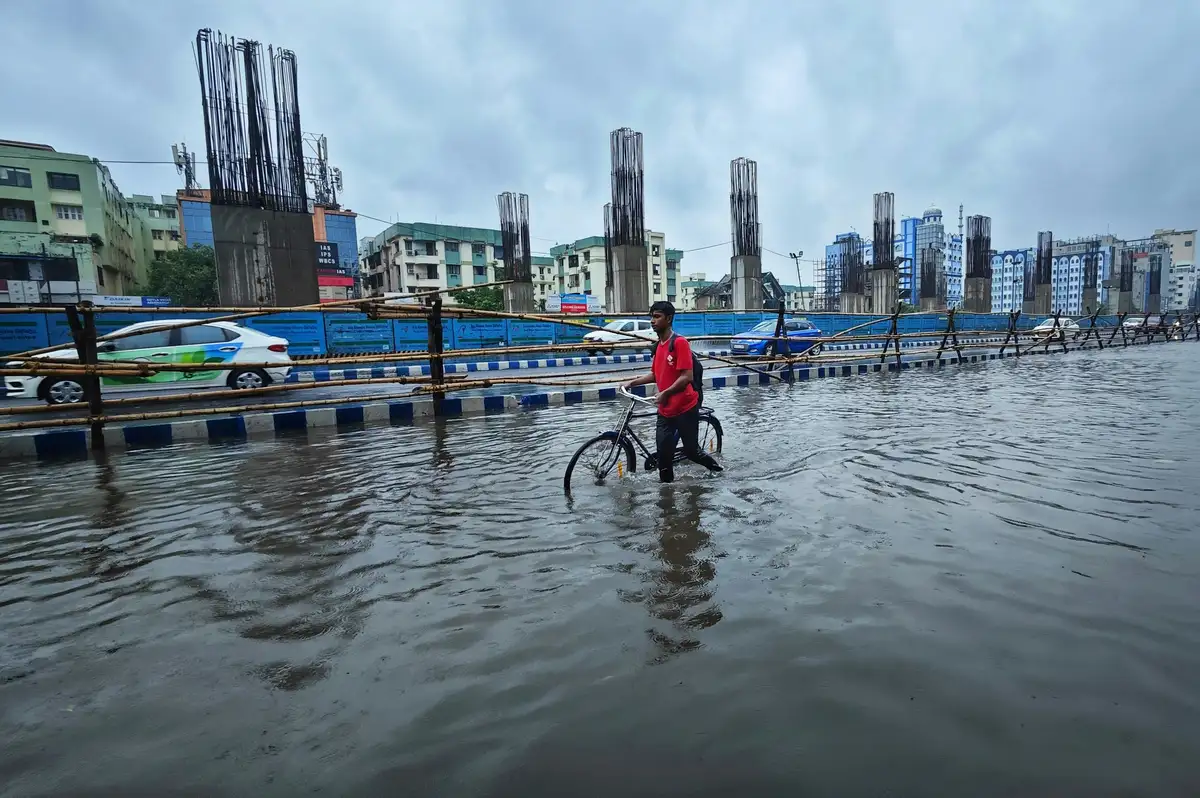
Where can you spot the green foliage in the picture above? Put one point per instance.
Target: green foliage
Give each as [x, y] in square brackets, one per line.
[906, 307]
[188, 276]
[480, 298]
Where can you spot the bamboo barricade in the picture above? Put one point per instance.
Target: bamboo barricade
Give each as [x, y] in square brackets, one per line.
[82, 320]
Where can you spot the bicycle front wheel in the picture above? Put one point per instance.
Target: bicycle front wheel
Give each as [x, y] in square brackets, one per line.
[603, 456]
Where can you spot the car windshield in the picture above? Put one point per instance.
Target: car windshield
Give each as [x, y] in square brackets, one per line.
[615, 325]
[766, 326]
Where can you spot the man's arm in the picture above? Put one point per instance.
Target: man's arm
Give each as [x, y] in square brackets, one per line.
[645, 379]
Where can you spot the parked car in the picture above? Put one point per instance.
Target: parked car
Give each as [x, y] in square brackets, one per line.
[618, 332]
[218, 342]
[1065, 326]
[755, 340]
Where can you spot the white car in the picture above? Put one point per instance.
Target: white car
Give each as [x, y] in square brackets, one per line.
[619, 332]
[217, 342]
[1065, 326]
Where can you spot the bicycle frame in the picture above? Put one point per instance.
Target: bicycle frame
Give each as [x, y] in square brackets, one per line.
[624, 430]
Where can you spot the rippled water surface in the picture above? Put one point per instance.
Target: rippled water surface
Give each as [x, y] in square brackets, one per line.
[981, 581]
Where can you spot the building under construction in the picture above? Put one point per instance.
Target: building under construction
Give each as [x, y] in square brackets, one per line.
[261, 224]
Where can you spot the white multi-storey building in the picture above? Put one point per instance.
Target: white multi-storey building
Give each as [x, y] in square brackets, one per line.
[579, 268]
[1008, 278]
[415, 257]
[1179, 290]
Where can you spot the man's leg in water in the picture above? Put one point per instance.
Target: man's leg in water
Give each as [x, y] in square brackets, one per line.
[689, 435]
[664, 438]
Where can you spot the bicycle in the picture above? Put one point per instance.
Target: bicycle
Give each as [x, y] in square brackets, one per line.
[614, 449]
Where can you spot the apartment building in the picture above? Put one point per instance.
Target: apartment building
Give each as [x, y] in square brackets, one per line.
[66, 231]
[1179, 291]
[411, 257]
[580, 268]
[689, 287]
[160, 217]
[799, 298]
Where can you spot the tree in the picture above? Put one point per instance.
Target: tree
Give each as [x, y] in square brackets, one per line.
[188, 276]
[480, 298]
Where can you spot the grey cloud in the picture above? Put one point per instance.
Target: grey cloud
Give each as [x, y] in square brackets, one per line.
[1066, 115]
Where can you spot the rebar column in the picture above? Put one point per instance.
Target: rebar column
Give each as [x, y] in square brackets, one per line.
[977, 287]
[514, 237]
[745, 266]
[630, 273]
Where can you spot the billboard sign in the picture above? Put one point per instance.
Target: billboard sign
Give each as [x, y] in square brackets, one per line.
[572, 303]
[111, 301]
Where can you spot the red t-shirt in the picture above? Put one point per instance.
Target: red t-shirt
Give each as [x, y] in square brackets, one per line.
[667, 365]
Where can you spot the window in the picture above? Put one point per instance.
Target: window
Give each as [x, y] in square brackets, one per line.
[479, 250]
[481, 271]
[63, 270]
[17, 211]
[587, 256]
[174, 235]
[169, 213]
[658, 288]
[573, 261]
[204, 334]
[654, 250]
[148, 340]
[657, 271]
[69, 212]
[99, 275]
[628, 326]
[158, 234]
[16, 177]
[62, 181]
[155, 213]
[453, 271]
[1187, 243]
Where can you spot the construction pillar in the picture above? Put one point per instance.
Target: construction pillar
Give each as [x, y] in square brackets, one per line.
[745, 274]
[631, 279]
[883, 290]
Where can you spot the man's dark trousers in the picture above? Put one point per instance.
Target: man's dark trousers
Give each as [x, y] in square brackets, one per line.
[688, 426]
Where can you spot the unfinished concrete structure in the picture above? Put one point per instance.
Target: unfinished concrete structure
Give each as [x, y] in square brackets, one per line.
[630, 289]
[977, 287]
[1125, 282]
[1091, 278]
[262, 230]
[518, 257]
[1029, 285]
[884, 279]
[1043, 292]
[745, 266]
[852, 275]
[932, 288]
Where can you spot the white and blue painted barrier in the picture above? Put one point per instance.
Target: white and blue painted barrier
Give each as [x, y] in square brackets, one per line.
[76, 442]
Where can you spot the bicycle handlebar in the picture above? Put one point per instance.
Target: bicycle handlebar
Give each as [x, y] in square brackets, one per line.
[630, 395]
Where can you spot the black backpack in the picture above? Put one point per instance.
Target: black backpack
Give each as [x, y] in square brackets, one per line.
[697, 366]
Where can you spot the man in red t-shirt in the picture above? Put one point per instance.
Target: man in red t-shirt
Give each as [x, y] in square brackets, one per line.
[678, 402]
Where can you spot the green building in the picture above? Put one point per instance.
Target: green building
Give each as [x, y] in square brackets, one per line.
[66, 231]
[160, 217]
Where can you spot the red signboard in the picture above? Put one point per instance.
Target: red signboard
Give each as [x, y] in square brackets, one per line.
[323, 279]
[574, 307]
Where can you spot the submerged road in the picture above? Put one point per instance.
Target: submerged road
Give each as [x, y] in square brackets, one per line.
[976, 581]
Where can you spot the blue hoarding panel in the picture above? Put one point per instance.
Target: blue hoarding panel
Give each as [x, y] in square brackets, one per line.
[570, 334]
[530, 333]
[412, 335]
[480, 334]
[305, 331]
[720, 324]
[690, 325]
[354, 333]
[21, 332]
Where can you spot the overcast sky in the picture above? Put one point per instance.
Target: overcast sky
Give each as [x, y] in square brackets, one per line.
[1077, 117]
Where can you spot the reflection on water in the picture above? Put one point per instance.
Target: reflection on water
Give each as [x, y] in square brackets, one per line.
[958, 579]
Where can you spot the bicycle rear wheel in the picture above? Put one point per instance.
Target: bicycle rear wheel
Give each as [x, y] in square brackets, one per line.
[598, 459]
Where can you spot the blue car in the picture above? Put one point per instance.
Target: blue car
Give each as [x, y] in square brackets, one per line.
[754, 341]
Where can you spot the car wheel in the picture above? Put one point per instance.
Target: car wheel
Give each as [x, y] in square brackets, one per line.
[62, 392]
[591, 352]
[248, 379]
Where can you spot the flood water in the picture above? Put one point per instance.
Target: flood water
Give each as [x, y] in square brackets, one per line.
[980, 582]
